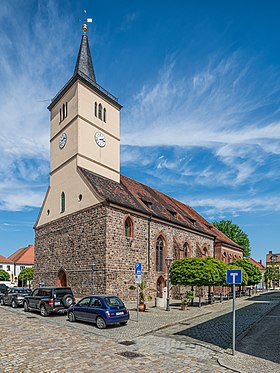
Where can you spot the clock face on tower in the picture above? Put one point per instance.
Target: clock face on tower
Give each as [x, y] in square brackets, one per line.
[62, 140]
[100, 139]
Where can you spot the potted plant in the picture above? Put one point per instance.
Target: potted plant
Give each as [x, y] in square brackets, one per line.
[144, 295]
[186, 299]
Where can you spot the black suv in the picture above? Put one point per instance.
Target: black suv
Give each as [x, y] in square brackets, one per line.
[47, 300]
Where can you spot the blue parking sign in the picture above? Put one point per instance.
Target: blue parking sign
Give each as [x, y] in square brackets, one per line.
[138, 269]
[234, 276]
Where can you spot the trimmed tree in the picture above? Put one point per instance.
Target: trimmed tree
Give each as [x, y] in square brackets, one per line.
[235, 233]
[28, 273]
[4, 276]
[253, 272]
[195, 272]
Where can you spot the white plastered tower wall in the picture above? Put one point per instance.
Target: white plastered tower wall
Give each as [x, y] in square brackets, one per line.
[81, 149]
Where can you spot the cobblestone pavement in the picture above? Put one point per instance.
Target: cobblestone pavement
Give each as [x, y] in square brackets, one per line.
[30, 343]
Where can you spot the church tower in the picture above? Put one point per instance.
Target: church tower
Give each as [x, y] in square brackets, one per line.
[85, 133]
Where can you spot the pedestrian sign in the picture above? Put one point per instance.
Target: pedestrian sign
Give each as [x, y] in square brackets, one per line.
[234, 276]
[138, 269]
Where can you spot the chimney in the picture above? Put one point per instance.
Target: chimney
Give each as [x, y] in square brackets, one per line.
[261, 262]
[270, 252]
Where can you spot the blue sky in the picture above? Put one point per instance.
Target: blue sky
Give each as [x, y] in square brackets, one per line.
[200, 86]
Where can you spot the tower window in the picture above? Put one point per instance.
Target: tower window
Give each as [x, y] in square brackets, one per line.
[100, 111]
[80, 197]
[104, 115]
[95, 109]
[60, 115]
[62, 202]
[159, 254]
[63, 111]
[128, 228]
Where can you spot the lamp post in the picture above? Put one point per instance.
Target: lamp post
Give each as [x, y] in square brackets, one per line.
[168, 262]
[92, 279]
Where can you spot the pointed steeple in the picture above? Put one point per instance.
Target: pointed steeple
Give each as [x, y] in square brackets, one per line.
[84, 64]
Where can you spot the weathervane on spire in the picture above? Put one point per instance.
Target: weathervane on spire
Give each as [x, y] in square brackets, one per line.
[86, 20]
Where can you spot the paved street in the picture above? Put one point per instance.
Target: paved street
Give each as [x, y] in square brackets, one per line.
[175, 341]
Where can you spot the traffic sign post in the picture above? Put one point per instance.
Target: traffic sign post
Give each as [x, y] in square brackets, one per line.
[234, 276]
[138, 274]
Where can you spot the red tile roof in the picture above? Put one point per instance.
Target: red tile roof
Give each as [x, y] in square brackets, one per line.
[137, 196]
[24, 255]
[257, 264]
[4, 260]
[269, 255]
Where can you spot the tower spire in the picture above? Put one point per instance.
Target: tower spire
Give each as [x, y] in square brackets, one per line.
[84, 65]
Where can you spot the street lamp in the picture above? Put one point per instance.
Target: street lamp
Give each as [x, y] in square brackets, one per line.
[168, 262]
[92, 282]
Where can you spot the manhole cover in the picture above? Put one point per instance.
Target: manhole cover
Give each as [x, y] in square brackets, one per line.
[127, 343]
[130, 354]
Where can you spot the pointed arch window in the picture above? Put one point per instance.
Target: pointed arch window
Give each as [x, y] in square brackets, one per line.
[66, 109]
[62, 202]
[184, 251]
[128, 228]
[100, 111]
[95, 109]
[60, 115]
[159, 254]
[63, 111]
[104, 115]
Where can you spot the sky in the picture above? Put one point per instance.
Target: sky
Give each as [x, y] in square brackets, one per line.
[199, 82]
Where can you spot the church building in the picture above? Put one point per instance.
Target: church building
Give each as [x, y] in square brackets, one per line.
[96, 223]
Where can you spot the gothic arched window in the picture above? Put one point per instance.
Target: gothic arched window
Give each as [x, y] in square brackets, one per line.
[63, 111]
[60, 115]
[185, 250]
[100, 111]
[104, 115]
[159, 254]
[128, 228]
[62, 202]
[95, 109]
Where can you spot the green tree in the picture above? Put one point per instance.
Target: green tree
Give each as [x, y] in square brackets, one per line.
[28, 273]
[253, 272]
[271, 275]
[235, 233]
[4, 276]
[195, 272]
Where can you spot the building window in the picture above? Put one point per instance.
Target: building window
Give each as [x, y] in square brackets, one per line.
[66, 109]
[104, 115]
[1, 266]
[21, 268]
[159, 254]
[95, 109]
[62, 202]
[80, 197]
[8, 268]
[60, 115]
[100, 111]
[128, 228]
[185, 250]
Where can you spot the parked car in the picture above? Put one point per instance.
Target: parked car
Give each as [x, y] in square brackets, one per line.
[3, 290]
[15, 297]
[49, 300]
[102, 310]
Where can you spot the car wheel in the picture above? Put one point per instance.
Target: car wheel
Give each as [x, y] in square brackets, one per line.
[100, 323]
[14, 304]
[25, 307]
[3, 302]
[67, 300]
[43, 311]
[71, 316]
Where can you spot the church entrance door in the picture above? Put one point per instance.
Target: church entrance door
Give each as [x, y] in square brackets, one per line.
[160, 286]
[61, 279]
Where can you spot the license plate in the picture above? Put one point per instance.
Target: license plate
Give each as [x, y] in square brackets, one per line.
[119, 313]
[57, 303]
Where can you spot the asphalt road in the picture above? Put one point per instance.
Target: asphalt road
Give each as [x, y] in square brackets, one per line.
[263, 339]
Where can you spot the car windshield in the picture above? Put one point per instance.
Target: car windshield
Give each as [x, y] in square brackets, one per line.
[113, 302]
[21, 291]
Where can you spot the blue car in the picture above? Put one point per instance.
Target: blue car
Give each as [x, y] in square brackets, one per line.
[102, 310]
